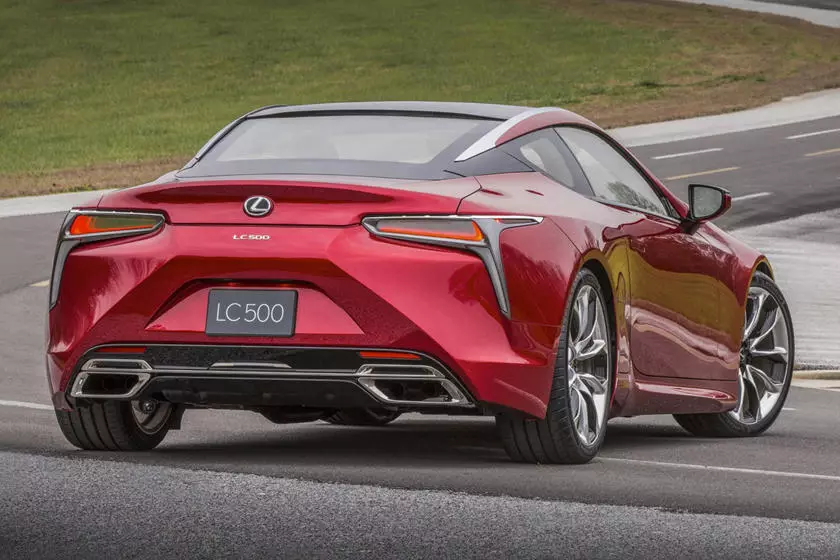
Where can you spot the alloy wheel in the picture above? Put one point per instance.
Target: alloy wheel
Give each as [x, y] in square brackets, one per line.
[588, 365]
[764, 357]
[150, 415]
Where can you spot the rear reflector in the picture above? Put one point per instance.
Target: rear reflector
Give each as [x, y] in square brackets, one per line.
[99, 223]
[121, 350]
[374, 355]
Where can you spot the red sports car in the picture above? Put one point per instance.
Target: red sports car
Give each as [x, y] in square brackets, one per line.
[352, 262]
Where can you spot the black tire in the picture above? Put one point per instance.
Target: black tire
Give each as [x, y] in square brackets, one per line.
[362, 417]
[109, 426]
[724, 424]
[554, 439]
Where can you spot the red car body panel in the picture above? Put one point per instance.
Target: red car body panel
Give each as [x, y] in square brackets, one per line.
[678, 298]
[328, 202]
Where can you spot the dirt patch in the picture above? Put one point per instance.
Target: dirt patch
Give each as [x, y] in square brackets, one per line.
[92, 177]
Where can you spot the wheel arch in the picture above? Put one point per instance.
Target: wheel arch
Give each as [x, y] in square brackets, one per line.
[763, 266]
[597, 267]
[612, 273]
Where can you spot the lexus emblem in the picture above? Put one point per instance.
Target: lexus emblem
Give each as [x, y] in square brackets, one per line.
[258, 206]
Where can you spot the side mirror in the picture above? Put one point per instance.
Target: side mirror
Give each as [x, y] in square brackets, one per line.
[707, 202]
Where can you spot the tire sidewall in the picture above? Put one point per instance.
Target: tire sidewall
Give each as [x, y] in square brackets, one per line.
[761, 280]
[561, 384]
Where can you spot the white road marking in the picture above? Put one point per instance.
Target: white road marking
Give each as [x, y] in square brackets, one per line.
[788, 408]
[749, 196]
[823, 152]
[809, 134]
[761, 472]
[700, 173]
[671, 156]
[20, 404]
[45, 283]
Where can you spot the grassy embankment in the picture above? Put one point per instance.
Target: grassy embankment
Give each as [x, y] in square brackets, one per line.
[99, 93]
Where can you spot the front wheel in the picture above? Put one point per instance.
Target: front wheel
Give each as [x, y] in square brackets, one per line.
[576, 419]
[765, 372]
[117, 425]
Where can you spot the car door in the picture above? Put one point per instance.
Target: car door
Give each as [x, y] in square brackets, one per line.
[674, 319]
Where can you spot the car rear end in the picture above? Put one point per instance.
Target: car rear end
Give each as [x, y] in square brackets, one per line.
[347, 293]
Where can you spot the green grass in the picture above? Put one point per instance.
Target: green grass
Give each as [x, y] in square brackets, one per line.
[92, 82]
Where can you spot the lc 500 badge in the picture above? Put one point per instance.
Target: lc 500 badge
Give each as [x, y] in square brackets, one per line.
[251, 236]
[242, 312]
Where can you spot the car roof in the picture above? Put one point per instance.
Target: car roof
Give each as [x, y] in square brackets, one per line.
[477, 110]
[502, 124]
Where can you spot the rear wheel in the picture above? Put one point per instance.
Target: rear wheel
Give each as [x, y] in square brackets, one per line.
[362, 417]
[575, 423]
[765, 369]
[117, 425]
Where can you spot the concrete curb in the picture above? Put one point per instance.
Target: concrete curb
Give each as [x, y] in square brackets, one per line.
[48, 203]
[827, 18]
[822, 374]
[790, 110]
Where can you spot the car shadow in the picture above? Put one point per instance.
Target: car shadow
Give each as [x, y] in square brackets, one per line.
[416, 443]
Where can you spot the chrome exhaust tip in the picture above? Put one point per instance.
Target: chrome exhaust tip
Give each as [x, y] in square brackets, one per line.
[111, 379]
[410, 385]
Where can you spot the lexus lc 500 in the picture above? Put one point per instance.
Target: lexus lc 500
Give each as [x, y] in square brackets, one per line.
[353, 262]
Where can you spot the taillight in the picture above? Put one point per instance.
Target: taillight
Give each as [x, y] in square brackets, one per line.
[83, 226]
[477, 234]
[454, 230]
[98, 224]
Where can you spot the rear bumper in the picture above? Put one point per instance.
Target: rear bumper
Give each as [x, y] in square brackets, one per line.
[267, 376]
[354, 292]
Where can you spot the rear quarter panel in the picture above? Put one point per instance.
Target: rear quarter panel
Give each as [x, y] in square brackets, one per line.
[542, 262]
[741, 262]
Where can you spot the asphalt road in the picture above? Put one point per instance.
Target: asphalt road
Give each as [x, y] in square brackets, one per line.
[773, 173]
[232, 484]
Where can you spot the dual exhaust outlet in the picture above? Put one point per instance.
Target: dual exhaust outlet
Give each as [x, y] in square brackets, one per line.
[393, 384]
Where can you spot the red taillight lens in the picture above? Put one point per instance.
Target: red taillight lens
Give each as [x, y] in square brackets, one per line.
[85, 224]
[384, 355]
[455, 230]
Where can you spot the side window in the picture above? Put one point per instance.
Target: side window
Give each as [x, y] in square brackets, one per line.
[543, 151]
[612, 177]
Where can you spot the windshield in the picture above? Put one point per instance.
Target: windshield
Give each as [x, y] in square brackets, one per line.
[377, 145]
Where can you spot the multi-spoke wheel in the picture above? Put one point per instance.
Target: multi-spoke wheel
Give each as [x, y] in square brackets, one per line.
[766, 364]
[575, 422]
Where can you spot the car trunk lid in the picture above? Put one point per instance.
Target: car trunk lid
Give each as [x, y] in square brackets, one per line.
[329, 201]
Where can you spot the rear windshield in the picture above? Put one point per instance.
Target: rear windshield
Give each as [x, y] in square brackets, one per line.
[396, 146]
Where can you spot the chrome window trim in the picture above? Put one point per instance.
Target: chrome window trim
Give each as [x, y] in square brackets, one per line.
[489, 140]
[636, 209]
